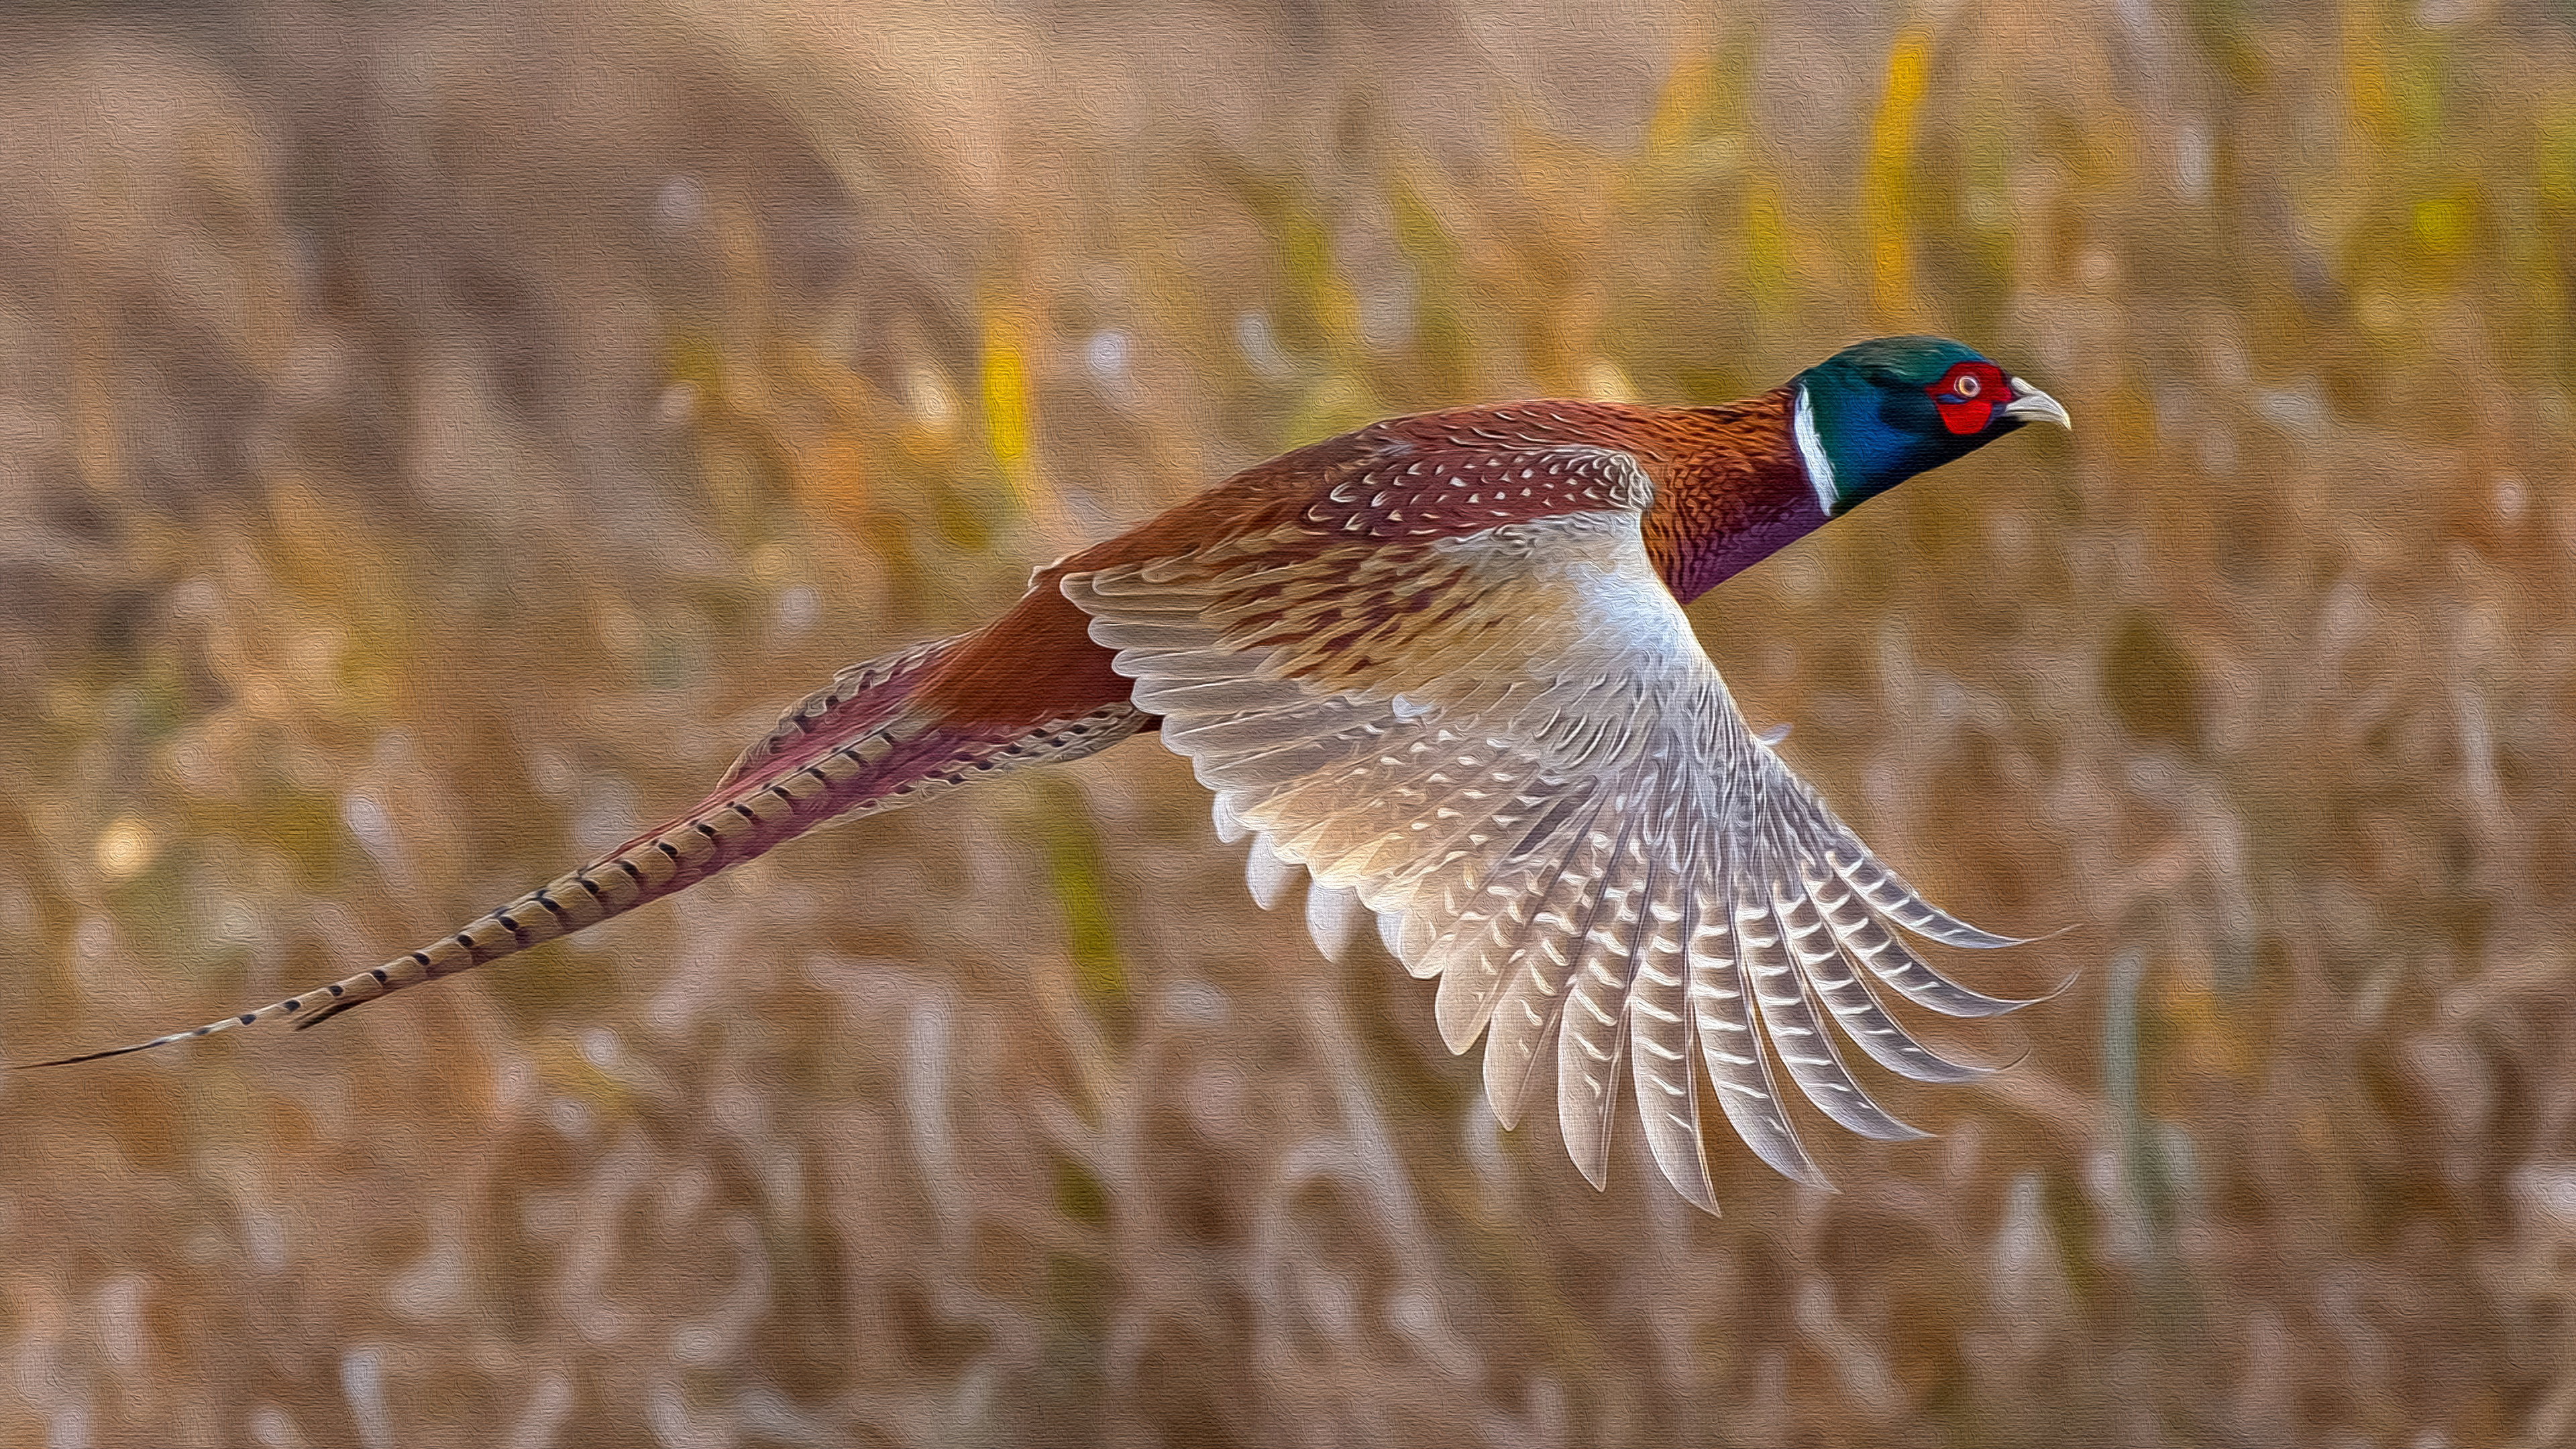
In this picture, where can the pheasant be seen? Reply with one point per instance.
(1441, 663)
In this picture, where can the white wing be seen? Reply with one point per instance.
(1511, 747)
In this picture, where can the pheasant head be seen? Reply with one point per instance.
(1737, 482)
(1871, 416)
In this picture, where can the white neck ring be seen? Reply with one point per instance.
(1811, 453)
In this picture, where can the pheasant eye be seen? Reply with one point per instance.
(1960, 397)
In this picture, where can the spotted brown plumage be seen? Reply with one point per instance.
(1440, 664)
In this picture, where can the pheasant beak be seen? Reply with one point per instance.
(2030, 405)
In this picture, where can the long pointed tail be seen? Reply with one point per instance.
(866, 744)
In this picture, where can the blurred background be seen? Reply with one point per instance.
(434, 438)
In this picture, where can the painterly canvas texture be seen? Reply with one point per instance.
(435, 440)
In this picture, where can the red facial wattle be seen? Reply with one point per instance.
(1968, 394)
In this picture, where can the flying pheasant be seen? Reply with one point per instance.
(1441, 663)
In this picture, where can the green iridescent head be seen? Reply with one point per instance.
(1873, 415)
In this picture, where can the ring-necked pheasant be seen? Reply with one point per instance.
(1441, 662)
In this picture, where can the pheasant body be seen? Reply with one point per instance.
(1441, 664)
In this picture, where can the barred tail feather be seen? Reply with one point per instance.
(801, 777)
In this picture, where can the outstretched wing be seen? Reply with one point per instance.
(1501, 733)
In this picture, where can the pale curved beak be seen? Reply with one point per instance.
(2030, 405)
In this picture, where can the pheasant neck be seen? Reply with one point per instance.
(1734, 495)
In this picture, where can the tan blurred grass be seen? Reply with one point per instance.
(436, 440)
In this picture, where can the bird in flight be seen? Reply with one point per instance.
(1441, 663)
